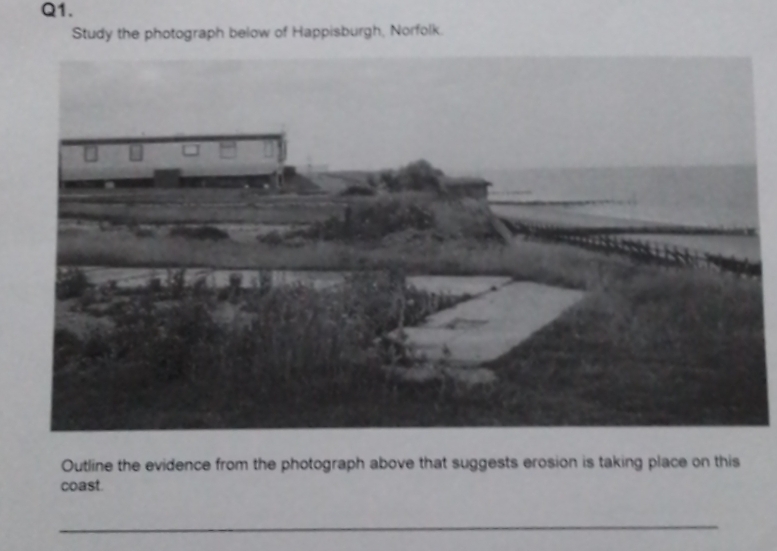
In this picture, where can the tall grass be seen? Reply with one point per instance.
(546, 263)
(653, 348)
(299, 348)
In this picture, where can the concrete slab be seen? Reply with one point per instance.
(138, 277)
(486, 327)
(457, 285)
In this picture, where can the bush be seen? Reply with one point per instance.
(67, 346)
(199, 232)
(272, 238)
(147, 342)
(176, 283)
(154, 285)
(464, 218)
(372, 221)
(71, 283)
(416, 176)
(380, 218)
(143, 232)
(358, 190)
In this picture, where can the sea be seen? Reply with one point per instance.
(705, 196)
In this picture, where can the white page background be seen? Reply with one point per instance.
(740, 501)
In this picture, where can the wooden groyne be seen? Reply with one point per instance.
(653, 230)
(640, 251)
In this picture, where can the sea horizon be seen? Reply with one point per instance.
(705, 195)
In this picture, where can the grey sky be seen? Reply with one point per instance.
(460, 114)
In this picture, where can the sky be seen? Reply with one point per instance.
(462, 115)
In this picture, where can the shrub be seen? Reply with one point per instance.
(272, 238)
(200, 286)
(199, 232)
(154, 285)
(143, 232)
(371, 221)
(265, 281)
(417, 176)
(67, 346)
(71, 283)
(235, 283)
(464, 218)
(358, 190)
(176, 283)
(151, 343)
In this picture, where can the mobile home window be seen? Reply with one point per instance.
(90, 153)
(228, 150)
(269, 149)
(191, 149)
(136, 152)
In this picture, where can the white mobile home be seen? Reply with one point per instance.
(170, 161)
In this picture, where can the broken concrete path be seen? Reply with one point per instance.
(457, 285)
(486, 327)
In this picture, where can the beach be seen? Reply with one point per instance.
(631, 200)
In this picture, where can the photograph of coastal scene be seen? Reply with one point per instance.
(495, 242)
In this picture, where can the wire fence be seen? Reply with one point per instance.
(641, 251)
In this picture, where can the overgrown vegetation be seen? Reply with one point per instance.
(168, 358)
(372, 220)
(645, 348)
(71, 283)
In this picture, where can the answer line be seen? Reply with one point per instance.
(610, 528)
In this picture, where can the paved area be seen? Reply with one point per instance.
(488, 326)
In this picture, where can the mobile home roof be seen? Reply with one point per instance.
(167, 139)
